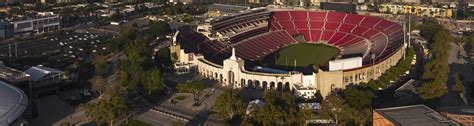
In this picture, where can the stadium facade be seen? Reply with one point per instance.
(226, 49)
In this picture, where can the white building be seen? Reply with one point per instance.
(43, 76)
(42, 22)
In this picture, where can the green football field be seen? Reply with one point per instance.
(304, 54)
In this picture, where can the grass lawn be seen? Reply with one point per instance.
(305, 55)
(180, 98)
(135, 123)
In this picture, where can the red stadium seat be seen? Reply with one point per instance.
(347, 28)
(337, 36)
(287, 24)
(353, 19)
(359, 30)
(331, 26)
(316, 24)
(306, 34)
(315, 35)
(327, 35)
(299, 15)
(301, 24)
(335, 16)
(369, 21)
(317, 16)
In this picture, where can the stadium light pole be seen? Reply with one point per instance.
(16, 50)
(404, 37)
(10, 50)
(409, 29)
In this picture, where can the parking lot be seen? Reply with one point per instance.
(55, 51)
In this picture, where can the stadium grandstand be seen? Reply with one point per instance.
(348, 48)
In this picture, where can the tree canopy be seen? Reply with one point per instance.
(436, 69)
(458, 84)
(358, 97)
(159, 28)
(229, 104)
(336, 108)
(281, 110)
(108, 109)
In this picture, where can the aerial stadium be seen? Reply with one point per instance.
(302, 51)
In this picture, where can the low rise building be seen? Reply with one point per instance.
(461, 114)
(45, 79)
(38, 23)
(414, 115)
(418, 10)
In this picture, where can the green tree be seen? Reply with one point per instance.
(305, 113)
(458, 84)
(109, 108)
(229, 104)
(159, 28)
(128, 32)
(358, 97)
(436, 69)
(471, 45)
(335, 108)
(98, 84)
(281, 110)
(428, 30)
(100, 64)
(431, 90)
(153, 81)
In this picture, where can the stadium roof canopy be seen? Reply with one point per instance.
(13, 103)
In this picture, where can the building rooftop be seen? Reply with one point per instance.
(12, 75)
(408, 86)
(227, 7)
(459, 110)
(12, 104)
(415, 115)
(38, 72)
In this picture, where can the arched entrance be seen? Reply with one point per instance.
(249, 84)
(230, 79)
(221, 78)
(279, 86)
(287, 86)
(264, 85)
(242, 83)
(257, 84)
(272, 85)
